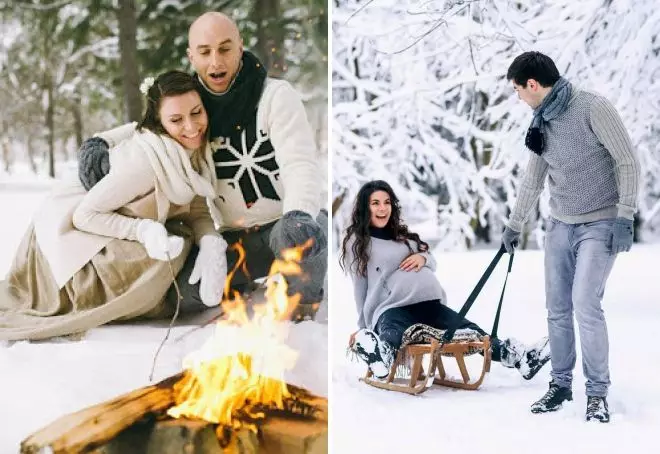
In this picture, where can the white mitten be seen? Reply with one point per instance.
(210, 269)
(156, 241)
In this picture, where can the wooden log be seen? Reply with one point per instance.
(172, 436)
(94, 426)
(136, 423)
(277, 435)
(286, 435)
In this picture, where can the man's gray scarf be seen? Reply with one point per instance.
(553, 105)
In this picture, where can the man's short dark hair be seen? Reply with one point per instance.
(533, 65)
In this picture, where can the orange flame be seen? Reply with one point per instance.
(241, 367)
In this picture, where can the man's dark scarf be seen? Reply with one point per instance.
(553, 105)
(236, 108)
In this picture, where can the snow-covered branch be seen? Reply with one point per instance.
(439, 119)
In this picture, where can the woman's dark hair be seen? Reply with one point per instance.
(170, 83)
(361, 220)
(533, 65)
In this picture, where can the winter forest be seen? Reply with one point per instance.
(420, 99)
(72, 68)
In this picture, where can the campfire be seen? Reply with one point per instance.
(239, 372)
(230, 398)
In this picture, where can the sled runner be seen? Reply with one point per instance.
(421, 340)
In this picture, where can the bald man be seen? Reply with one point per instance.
(266, 166)
(215, 49)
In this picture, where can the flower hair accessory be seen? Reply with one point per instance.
(146, 85)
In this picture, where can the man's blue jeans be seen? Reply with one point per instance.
(578, 262)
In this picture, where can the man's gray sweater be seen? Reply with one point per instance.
(386, 286)
(592, 169)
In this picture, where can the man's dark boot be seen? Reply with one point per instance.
(597, 409)
(553, 399)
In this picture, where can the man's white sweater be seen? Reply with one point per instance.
(271, 168)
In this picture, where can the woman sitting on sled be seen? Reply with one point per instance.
(395, 287)
(90, 258)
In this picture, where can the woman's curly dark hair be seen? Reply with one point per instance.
(359, 228)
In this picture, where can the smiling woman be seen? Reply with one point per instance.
(380, 206)
(119, 255)
(174, 107)
(395, 287)
(184, 119)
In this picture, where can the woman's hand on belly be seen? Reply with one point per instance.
(351, 340)
(413, 262)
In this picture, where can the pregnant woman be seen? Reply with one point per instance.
(395, 287)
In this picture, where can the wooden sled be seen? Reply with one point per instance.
(417, 383)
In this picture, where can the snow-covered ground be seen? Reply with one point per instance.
(496, 418)
(43, 381)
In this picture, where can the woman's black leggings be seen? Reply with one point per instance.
(392, 324)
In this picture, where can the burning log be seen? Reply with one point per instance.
(136, 422)
(232, 397)
(164, 437)
(95, 425)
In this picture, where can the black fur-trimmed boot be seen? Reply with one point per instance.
(376, 353)
(527, 359)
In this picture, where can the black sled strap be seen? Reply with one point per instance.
(449, 334)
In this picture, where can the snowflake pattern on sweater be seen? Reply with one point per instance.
(246, 160)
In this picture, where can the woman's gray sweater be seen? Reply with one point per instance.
(386, 286)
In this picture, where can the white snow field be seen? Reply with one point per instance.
(43, 381)
(496, 418)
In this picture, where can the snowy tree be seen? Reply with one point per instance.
(47, 66)
(420, 99)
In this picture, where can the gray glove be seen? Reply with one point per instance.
(510, 239)
(93, 161)
(294, 229)
(622, 235)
